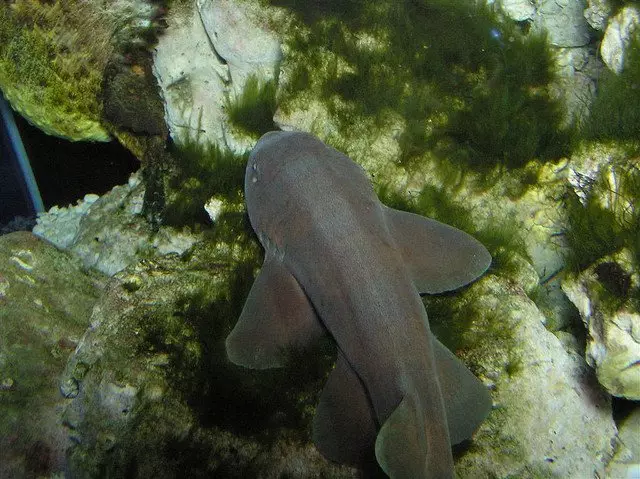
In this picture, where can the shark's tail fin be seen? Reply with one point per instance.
(344, 428)
(402, 447)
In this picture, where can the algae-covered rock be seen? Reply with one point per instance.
(45, 305)
(613, 326)
(603, 227)
(155, 396)
(53, 55)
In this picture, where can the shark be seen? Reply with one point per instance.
(339, 262)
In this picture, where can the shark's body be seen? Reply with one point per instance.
(335, 256)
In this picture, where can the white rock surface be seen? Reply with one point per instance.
(518, 10)
(564, 21)
(597, 13)
(617, 36)
(109, 233)
(205, 57)
(192, 78)
(60, 225)
(239, 34)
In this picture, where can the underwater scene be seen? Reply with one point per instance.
(320, 239)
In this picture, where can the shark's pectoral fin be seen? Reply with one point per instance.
(439, 257)
(344, 429)
(277, 316)
(466, 400)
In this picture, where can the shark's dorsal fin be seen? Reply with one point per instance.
(344, 429)
(277, 316)
(439, 257)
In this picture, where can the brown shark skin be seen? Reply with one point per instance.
(319, 220)
(315, 209)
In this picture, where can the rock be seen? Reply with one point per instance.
(63, 97)
(46, 299)
(550, 418)
(191, 76)
(60, 225)
(578, 69)
(597, 14)
(617, 37)
(155, 388)
(626, 461)
(239, 34)
(518, 10)
(109, 233)
(564, 21)
(204, 58)
(613, 341)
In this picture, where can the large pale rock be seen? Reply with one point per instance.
(564, 21)
(617, 37)
(239, 33)
(550, 418)
(204, 58)
(45, 304)
(191, 76)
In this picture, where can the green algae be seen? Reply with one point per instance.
(615, 111)
(253, 109)
(605, 217)
(466, 84)
(202, 171)
(54, 87)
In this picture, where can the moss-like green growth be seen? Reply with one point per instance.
(53, 55)
(52, 85)
(605, 218)
(467, 85)
(200, 173)
(252, 111)
(615, 111)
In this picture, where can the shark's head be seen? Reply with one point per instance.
(275, 179)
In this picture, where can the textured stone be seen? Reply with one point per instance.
(45, 304)
(613, 340)
(617, 36)
(109, 233)
(564, 21)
